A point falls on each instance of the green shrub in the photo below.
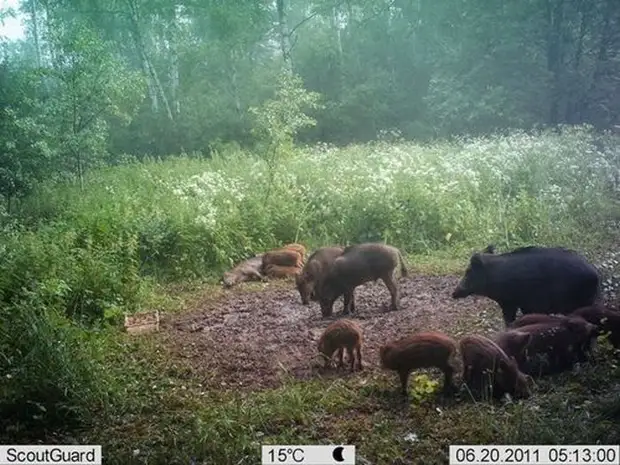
(51, 370)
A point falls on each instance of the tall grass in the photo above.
(94, 254)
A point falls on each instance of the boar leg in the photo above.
(351, 358)
(404, 379)
(340, 357)
(393, 288)
(349, 306)
(448, 372)
(255, 274)
(358, 351)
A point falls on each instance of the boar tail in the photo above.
(403, 268)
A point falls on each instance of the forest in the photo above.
(148, 146)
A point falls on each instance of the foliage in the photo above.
(278, 120)
(92, 87)
(52, 371)
(424, 70)
(90, 256)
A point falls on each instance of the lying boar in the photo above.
(299, 248)
(280, 272)
(248, 270)
(357, 265)
(282, 257)
(314, 269)
(605, 319)
(483, 357)
(422, 350)
(533, 279)
(338, 336)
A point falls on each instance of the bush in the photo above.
(52, 371)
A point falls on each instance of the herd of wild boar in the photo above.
(556, 289)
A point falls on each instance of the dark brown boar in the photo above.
(482, 356)
(357, 265)
(606, 320)
(422, 350)
(282, 257)
(535, 318)
(281, 272)
(315, 268)
(247, 270)
(577, 325)
(338, 336)
(514, 344)
(554, 347)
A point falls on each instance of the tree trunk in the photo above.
(555, 55)
(576, 95)
(233, 82)
(35, 30)
(338, 33)
(174, 62)
(149, 70)
(595, 91)
(285, 37)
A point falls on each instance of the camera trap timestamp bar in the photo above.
(309, 455)
(535, 455)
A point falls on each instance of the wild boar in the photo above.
(536, 318)
(247, 270)
(299, 248)
(282, 257)
(338, 336)
(483, 357)
(514, 344)
(422, 350)
(533, 279)
(554, 347)
(357, 265)
(314, 269)
(281, 272)
(605, 319)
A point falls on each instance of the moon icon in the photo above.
(337, 454)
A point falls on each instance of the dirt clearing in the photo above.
(253, 340)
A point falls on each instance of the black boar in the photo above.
(481, 358)
(338, 336)
(422, 350)
(248, 270)
(533, 279)
(357, 265)
(315, 268)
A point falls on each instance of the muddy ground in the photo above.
(251, 340)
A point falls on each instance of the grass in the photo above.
(178, 421)
(159, 234)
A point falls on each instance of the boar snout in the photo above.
(460, 292)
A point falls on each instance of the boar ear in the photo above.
(489, 249)
(476, 260)
(530, 381)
